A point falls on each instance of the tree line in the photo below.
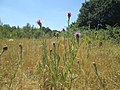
(27, 31)
(94, 13)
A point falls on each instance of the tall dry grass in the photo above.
(96, 66)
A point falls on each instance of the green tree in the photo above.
(96, 12)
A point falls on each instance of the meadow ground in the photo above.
(32, 64)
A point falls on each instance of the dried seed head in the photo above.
(5, 48)
(78, 62)
(93, 63)
(50, 50)
(63, 30)
(20, 45)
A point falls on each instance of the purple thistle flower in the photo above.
(39, 23)
(53, 43)
(69, 14)
(77, 34)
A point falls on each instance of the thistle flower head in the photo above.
(20, 45)
(77, 34)
(53, 43)
(39, 23)
(69, 14)
(63, 30)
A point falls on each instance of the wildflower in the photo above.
(39, 23)
(53, 43)
(69, 15)
(63, 30)
(77, 36)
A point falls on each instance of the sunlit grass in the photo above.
(67, 65)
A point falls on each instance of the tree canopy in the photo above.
(104, 12)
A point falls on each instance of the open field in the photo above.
(59, 49)
(36, 64)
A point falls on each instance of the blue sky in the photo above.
(52, 13)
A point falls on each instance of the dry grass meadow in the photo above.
(96, 65)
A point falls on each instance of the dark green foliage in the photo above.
(94, 12)
(114, 33)
(28, 31)
(110, 34)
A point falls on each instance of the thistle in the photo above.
(53, 43)
(63, 30)
(20, 45)
(5, 48)
(18, 65)
(50, 50)
(69, 16)
(39, 23)
(77, 36)
(21, 50)
(98, 75)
